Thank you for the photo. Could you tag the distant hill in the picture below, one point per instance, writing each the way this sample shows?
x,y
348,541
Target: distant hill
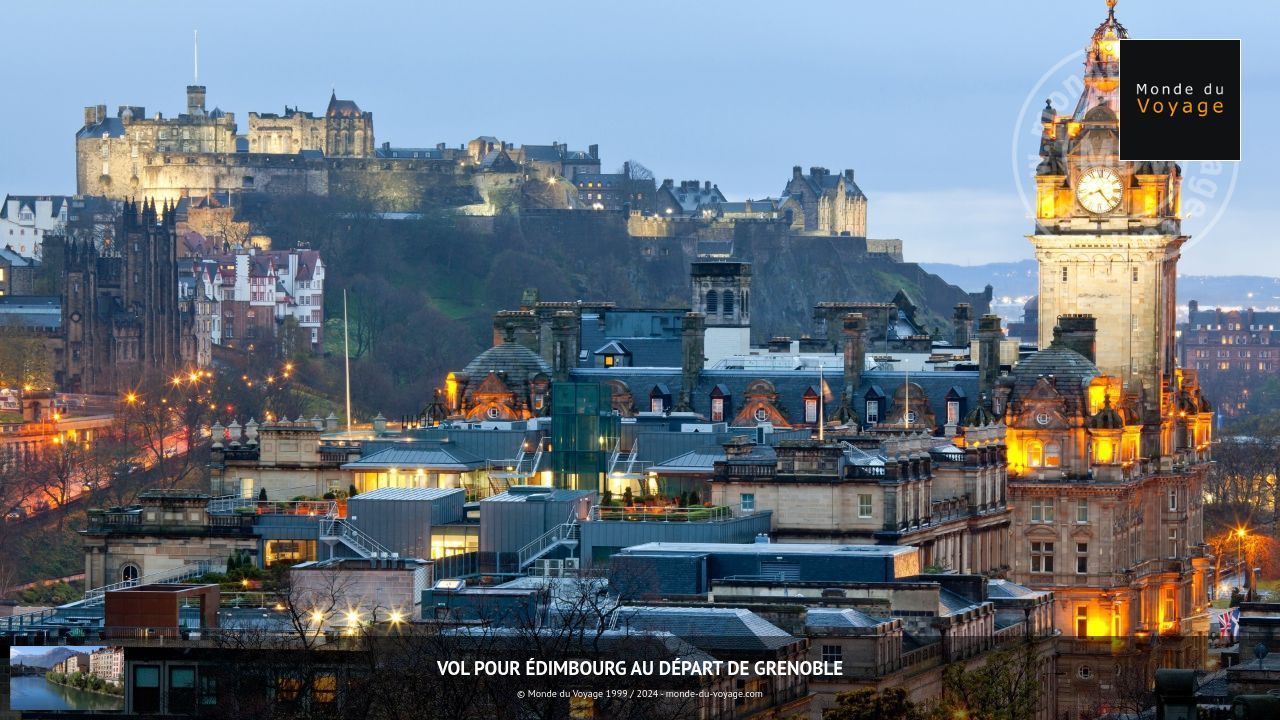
x,y
46,659
1014,279
1019,279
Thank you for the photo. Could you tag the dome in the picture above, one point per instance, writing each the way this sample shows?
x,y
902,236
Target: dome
x,y
513,362
1071,373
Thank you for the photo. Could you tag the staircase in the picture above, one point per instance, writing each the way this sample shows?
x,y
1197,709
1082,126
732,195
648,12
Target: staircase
x,y
95,596
564,535
334,530
524,466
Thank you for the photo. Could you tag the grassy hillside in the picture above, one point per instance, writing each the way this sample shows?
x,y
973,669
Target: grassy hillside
x,y
423,291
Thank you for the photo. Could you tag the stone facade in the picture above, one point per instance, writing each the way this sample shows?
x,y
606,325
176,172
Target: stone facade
x,y
286,458
120,308
825,204
1108,441
1231,351
168,530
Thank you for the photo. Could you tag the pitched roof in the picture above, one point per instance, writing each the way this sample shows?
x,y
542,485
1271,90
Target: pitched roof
x,y
706,628
425,455
341,108
840,617
111,126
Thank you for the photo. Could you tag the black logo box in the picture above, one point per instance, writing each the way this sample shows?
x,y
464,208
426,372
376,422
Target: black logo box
x,y
1207,132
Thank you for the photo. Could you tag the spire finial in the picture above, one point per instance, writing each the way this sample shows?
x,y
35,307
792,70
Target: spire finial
x,y
1111,8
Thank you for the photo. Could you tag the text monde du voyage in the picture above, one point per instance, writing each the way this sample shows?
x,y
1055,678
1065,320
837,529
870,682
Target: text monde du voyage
x,y
1180,99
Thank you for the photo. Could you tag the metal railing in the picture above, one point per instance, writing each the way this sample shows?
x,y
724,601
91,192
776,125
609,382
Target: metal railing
x,y
662,513
332,526
186,572
95,596
563,532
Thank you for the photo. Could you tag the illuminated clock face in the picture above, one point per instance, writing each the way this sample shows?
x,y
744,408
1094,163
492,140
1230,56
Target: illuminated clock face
x,y
1099,190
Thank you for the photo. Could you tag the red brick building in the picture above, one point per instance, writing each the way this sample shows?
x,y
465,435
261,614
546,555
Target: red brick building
x,y
1234,352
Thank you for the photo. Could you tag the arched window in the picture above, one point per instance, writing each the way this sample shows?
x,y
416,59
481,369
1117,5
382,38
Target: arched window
x,y
129,572
1052,455
1035,454
728,302
712,301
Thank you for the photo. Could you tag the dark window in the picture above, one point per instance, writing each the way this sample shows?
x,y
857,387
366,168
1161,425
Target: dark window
x,y
712,301
728,302
182,689
146,689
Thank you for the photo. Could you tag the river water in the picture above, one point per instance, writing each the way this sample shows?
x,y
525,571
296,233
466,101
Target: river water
x,y
33,692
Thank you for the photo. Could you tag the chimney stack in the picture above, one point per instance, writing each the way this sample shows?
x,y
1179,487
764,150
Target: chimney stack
x,y
854,330
989,336
693,357
1079,333
564,338
960,322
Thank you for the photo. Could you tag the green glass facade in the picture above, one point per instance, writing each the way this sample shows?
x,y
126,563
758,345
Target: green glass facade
x,y
584,434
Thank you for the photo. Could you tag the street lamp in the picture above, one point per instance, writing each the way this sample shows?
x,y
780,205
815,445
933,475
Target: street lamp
x,y
1240,556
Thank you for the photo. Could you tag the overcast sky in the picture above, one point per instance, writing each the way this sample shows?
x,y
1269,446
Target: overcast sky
x,y
920,98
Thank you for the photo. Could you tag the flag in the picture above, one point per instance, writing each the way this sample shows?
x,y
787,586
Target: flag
x,y
1228,623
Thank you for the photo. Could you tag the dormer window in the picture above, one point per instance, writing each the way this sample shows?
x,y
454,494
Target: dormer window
x,y
873,412
811,406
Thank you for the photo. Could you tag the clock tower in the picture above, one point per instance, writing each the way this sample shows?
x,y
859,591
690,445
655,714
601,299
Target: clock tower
x,y
1107,232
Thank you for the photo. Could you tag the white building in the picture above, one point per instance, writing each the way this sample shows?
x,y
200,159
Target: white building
x,y
25,220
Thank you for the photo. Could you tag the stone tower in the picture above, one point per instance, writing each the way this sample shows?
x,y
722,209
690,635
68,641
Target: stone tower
x,y
722,293
1108,232
195,100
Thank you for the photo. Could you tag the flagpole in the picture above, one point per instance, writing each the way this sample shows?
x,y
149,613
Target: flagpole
x,y
346,355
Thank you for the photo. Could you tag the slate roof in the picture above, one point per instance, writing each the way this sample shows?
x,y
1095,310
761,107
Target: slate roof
x,y
31,311
397,152
514,363
1003,589
541,153
13,259
112,126
1071,372
425,455
953,603
702,460
708,629
341,108
29,201
839,618
1214,316
789,384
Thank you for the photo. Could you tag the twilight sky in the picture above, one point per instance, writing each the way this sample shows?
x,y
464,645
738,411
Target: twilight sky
x,y
920,98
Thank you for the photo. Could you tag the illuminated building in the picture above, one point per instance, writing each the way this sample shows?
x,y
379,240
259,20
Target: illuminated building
x,y
1108,441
